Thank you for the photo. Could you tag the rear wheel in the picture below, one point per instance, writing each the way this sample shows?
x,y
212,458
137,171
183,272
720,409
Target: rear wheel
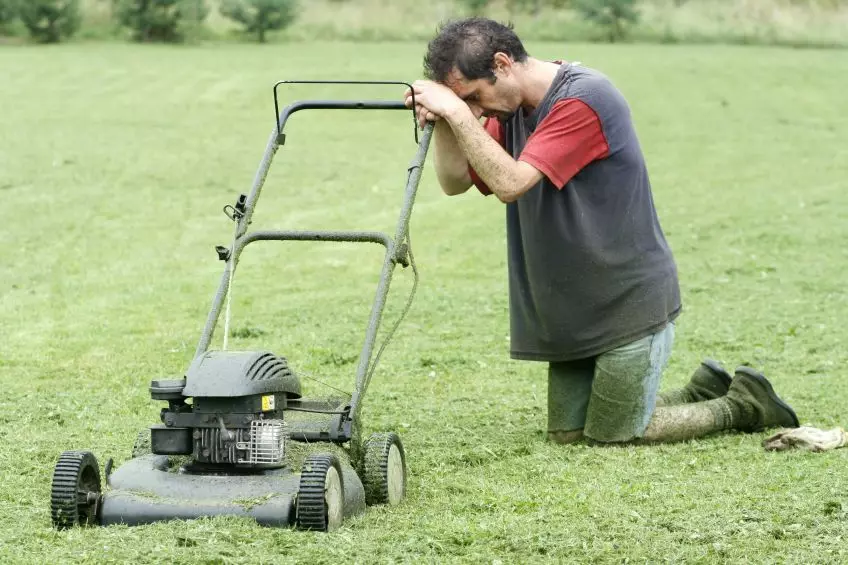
x,y
384,469
75,494
320,498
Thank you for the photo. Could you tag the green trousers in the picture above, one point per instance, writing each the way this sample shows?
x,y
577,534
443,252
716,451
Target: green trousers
x,y
610,397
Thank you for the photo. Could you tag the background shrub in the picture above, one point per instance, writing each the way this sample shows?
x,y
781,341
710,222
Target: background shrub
x,y
160,20
475,7
8,13
260,16
50,21
612,16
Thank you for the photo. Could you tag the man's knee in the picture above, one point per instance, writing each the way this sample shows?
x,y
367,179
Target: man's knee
x,y
591,442
565,437
616,431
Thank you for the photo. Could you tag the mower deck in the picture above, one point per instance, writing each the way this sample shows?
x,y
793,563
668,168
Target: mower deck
x,y
144,490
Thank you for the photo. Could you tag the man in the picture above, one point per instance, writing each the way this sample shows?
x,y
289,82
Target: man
x,y
593,284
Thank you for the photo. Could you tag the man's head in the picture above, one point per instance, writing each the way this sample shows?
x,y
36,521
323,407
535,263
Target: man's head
x,y
477,59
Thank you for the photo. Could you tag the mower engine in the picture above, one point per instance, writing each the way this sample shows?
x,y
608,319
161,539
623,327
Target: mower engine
x,y
235,419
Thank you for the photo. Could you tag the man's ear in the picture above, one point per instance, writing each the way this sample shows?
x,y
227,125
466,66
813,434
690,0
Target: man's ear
x,y
502,63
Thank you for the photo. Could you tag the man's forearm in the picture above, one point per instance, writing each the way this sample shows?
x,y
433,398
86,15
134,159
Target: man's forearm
x,y
451,164
505,177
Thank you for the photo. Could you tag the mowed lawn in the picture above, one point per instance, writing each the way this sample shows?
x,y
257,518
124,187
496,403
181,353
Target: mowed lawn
x,y
115,163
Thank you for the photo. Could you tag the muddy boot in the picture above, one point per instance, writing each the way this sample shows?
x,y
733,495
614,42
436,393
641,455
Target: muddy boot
x,y
758,405
710,380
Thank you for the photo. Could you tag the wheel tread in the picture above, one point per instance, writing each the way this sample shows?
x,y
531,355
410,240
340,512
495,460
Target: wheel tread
x,y
311,510
64,494
376,466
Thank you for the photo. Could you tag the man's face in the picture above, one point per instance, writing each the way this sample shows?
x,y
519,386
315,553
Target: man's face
x,y
499,99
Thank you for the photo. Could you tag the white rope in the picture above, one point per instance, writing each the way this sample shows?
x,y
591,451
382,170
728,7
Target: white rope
x,y
231,265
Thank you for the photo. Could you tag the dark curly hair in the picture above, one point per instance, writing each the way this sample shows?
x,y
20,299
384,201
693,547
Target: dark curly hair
x,y
470,45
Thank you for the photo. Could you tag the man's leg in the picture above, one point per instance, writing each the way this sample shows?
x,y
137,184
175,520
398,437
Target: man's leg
x,y
709,381
624,389
622,405
569,388
751,404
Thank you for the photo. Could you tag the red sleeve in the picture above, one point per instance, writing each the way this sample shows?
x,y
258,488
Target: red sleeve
x,y
566,140
496,130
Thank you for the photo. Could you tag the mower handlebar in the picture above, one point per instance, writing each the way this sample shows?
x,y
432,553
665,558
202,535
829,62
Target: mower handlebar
x,y
281,119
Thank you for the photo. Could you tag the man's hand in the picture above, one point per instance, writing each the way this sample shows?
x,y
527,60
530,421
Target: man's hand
x,y
425,115
432,101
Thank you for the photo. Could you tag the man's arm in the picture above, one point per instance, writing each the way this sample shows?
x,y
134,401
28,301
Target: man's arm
x,y
450,161
569,138
507,178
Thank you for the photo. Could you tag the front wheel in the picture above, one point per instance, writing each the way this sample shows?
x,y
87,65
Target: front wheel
x,y
76,493
320,498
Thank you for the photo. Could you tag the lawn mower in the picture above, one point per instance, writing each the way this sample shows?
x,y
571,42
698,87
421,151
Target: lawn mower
x,y
226,438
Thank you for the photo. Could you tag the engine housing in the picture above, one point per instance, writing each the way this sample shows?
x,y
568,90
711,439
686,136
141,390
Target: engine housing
x,y
235,417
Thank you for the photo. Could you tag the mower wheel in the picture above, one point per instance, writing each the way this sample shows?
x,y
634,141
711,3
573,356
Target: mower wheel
x,y
384,469
75,496
320,498
142,445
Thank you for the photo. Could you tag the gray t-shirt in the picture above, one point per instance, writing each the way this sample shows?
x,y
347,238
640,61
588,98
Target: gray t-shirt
x,y
589,267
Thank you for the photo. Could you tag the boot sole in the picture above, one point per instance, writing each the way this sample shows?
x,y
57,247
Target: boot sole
x,y
760,378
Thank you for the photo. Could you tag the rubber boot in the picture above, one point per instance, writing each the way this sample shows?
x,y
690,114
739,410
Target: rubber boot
x,y
710,380
759,405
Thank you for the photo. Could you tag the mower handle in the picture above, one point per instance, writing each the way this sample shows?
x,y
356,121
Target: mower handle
x,y
340,104
396,251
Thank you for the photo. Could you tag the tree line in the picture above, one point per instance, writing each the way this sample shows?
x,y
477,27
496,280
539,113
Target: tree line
x,y
51,21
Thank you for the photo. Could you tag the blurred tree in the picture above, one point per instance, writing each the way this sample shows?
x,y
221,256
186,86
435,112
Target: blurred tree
x,y
536,7
50,21
260,16
613,16
533,7
160,20
476,7
8,13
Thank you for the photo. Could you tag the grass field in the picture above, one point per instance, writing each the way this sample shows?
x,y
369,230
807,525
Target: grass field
x,y
115,162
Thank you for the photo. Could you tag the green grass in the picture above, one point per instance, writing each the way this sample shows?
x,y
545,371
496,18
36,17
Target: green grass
x,y
115,162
